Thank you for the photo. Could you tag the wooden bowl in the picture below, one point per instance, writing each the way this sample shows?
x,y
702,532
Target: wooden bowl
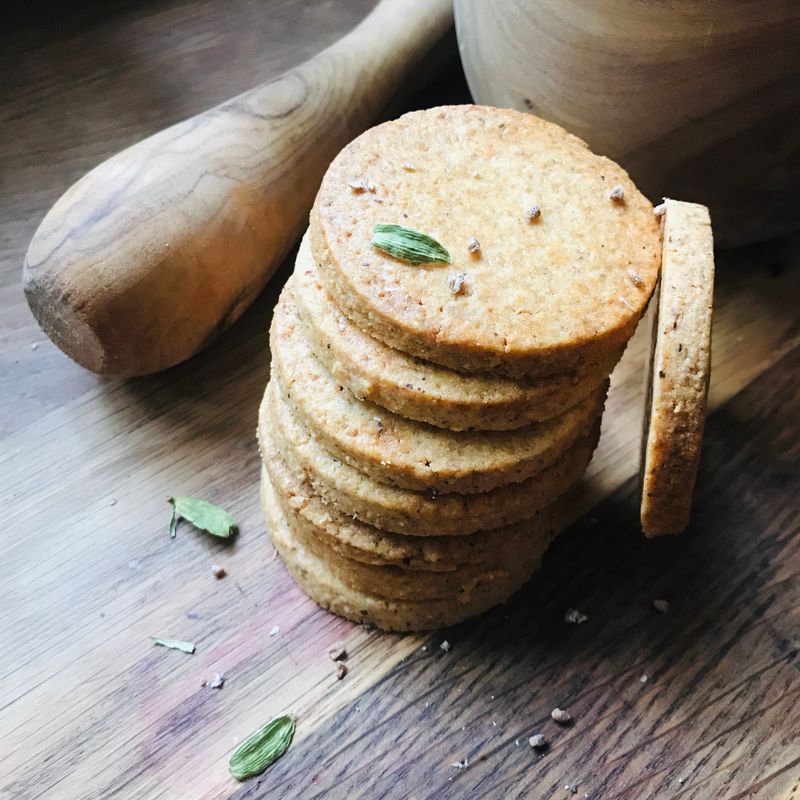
x,y
698,101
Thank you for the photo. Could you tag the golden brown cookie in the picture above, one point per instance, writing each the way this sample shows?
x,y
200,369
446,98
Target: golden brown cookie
x,y
680,369
568,249
403,452
422,390
362,542
407,511
402,582
317,580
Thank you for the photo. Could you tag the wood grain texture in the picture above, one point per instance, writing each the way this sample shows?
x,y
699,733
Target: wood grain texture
x,y
89,709
698,101
157,250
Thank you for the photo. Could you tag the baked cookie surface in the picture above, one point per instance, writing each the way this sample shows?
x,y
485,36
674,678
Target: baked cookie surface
x,y
680,370
562,272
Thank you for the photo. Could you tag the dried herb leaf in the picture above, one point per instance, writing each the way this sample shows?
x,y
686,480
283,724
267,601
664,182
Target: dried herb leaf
x,y
408,245
175,644
263,748
203,515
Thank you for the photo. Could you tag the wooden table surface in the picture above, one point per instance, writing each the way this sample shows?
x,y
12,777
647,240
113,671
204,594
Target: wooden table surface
x,y
699,703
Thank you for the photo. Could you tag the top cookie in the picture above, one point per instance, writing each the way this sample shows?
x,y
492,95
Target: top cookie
x,y
568,254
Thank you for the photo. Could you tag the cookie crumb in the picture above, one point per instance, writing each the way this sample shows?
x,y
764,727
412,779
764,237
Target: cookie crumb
x,y
574,617
218,571
445,645
361,186
275,630
561,716
538,741
533,213
643,679
661,605
341,671
217,681
617,194
636,278
456,282
35,346
337,652
473,245
460,764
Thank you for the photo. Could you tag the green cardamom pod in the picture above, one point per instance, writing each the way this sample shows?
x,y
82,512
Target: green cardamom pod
x,y
408,245
203,515
263,748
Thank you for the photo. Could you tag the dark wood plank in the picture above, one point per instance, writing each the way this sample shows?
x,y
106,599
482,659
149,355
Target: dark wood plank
x,y
718,713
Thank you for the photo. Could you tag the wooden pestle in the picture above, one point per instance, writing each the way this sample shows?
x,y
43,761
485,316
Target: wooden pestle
x,y
156,251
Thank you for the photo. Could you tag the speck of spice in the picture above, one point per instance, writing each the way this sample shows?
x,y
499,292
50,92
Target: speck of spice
x,y
361,185
445,645
574,617
460,764
275,630
643,679
516,742
661,605
378,424
635,277
561,716
473,245
533,213
617,193
660,209
337,652
217,681
341,671
409,167
424,648
113,501
538,741
218,571
35,346
455,282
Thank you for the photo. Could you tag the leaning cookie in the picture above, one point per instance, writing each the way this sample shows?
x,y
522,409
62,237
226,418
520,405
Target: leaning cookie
x,y
680,370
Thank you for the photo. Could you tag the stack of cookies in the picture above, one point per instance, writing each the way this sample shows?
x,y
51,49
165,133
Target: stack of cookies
x,y
436,389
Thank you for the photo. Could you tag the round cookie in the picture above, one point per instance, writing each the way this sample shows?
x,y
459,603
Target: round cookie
x,y
403,452
568,254
680,370
407,511
315,578
398,583
422,390
358,541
